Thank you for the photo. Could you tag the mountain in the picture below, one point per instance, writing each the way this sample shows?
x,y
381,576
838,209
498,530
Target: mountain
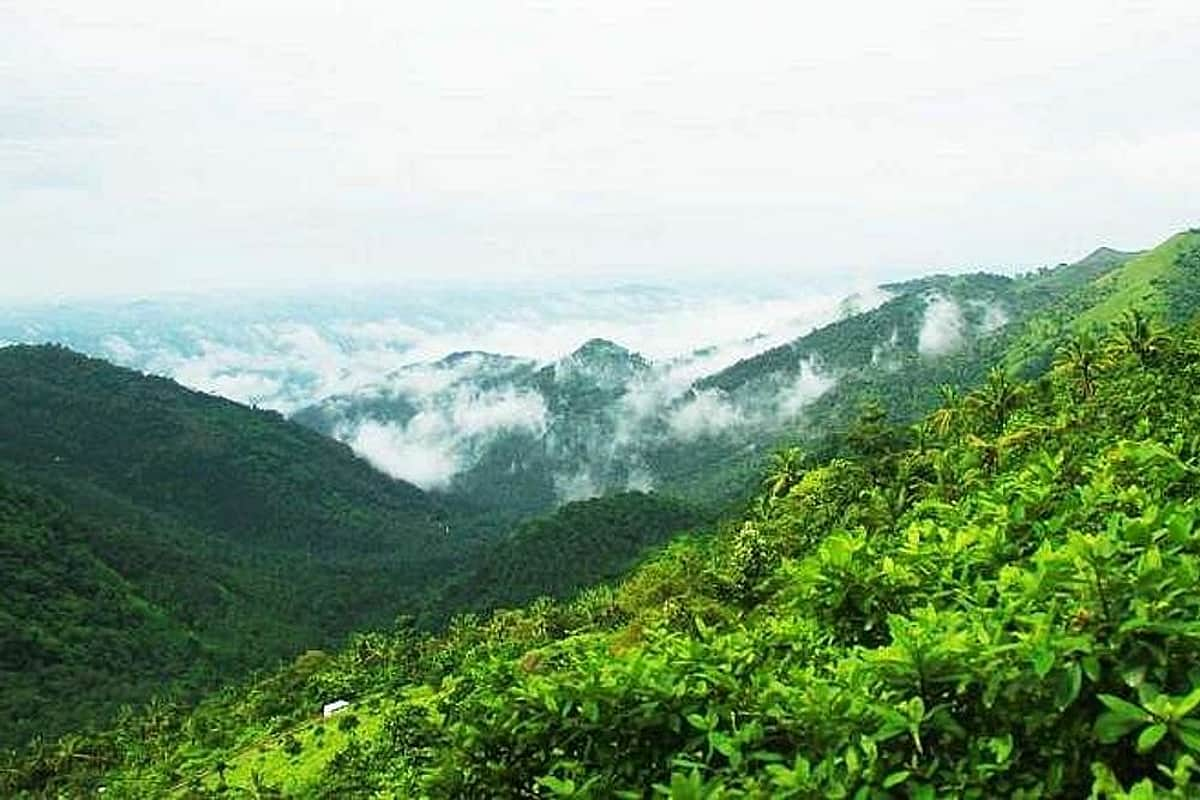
x,y
514,437
496,432
226,537
1003,607
208,537
933,331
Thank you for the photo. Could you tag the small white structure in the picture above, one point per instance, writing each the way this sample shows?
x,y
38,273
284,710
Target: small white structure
x,y
329,709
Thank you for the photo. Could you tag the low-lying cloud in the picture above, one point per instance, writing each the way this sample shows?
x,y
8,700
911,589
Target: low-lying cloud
x,y
445,435
942,328
709,413
439,415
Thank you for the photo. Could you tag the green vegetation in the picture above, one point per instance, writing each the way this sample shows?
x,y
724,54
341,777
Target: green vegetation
x,y
76,637
999,601
159,540
978,580
1145,282
1161,283
151,535
579,545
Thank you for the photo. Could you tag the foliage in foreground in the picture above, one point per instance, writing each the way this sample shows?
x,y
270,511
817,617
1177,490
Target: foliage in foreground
x,y
999,602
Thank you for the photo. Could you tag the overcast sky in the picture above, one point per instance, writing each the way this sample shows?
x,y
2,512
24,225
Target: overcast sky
x,y
148,145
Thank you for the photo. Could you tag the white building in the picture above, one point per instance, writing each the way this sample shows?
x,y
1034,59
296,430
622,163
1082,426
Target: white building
x,y
329,709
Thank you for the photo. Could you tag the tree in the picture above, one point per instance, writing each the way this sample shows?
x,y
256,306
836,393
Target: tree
x,y
997,399
785,471
870,435
949,415
1135,333
1080,355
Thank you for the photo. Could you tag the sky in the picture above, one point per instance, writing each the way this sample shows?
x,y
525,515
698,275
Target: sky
x,y
149,146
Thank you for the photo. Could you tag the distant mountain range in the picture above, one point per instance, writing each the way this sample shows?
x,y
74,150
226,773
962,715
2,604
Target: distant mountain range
x,y
502,431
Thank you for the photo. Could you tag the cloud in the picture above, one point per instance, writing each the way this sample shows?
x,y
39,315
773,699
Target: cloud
x,y
446,434
394,449
942,327
994,317
265,143
577,486
381,373
807,386
708,413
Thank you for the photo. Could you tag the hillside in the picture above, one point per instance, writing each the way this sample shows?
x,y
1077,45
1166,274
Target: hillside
x,y
1005,608
224,537
1163,283
947,331
581,544
71,626
196,521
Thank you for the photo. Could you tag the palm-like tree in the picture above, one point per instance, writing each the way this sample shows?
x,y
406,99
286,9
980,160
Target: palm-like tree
x,y
922,433
946,418
998,398
992,452
784,471
1136,333
1080,355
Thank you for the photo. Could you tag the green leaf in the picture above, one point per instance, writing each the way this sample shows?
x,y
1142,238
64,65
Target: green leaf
x,y
563,787
1185,706
1070,681
1111,727
1190,739
1150,737
1043,661
723,744
896,778
1134,676
923,793
1124,708
1002,746
1142,790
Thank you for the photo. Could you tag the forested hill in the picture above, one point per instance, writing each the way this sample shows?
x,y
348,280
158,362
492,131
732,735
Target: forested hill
x,y
150,533
581,544
949,330
931,320
250,476
1000,601
1163,283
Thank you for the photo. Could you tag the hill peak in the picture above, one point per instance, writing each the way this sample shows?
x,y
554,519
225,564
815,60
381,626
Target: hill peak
x,y
1105,257
600,348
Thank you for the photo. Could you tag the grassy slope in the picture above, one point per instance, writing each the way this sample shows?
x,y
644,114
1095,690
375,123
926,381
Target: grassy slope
x,y
1141,282
1134,284
268,760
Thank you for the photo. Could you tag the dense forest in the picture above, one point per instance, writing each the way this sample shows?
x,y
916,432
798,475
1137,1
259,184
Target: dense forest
x,y
970,575
155,538
579,545
150,534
